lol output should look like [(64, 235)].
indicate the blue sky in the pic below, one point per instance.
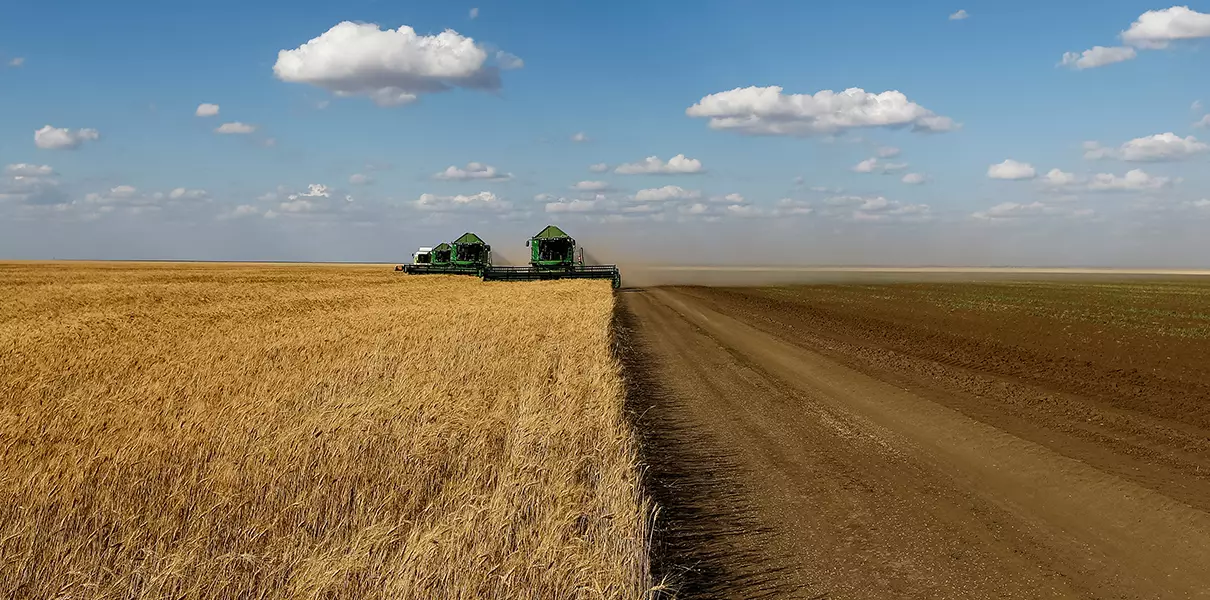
[(625, 74)]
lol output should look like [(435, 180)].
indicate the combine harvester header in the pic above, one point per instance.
[(553, 255)]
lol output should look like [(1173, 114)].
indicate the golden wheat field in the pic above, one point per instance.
[(278, 431)]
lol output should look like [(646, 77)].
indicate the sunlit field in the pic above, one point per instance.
[(251, 431)]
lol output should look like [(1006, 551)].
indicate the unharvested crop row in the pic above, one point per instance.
[(312, 432)]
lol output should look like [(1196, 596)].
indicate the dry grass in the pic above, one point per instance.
[(190, 431)]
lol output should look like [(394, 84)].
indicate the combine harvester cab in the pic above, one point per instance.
[(468, 255), (553, 256)]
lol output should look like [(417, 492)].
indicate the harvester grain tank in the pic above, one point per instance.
[(553, 255)]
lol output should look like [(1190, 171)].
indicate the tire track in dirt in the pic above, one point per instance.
[(863, 489)]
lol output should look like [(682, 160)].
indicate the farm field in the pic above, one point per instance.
[(323, 431), (995, 439), (293, 431)]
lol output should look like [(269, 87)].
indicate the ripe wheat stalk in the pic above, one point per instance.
[(201, 431)]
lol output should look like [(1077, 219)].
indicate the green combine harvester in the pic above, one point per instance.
[(468, 255), (553, 255)]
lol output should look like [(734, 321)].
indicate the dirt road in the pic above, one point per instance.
[(795, 463)]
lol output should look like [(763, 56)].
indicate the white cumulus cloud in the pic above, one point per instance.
[(1008, 211), (744, 211), (1204, 122), (188, 194), (598, 168), (206, 110), (391, 66), (314, 190), (579, 137), (484, 201), (28, 170), (1162, 147), (914, 178), (720, 207), (590, 186), (1135, 180), (1011, 169), (236, 128), (960, 15), (120, 194), (241, 211), (59, 138), (360, 179), (1157, 28), (873, 208), (666, 193), (1058, 178), (572, 206), (134, 200), (888, 152), (1098, 56), (473, 172), (1154, 148), (653, 165), (866, 166), (767, 111), (314, 200), (319, 199), (871, 165), (1011, 210), (1153, 30), (123, 191)]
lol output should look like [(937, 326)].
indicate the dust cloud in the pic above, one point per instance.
[(771, 253)]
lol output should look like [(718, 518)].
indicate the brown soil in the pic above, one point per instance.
[(1030, 440)]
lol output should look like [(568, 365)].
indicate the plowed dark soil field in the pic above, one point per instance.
[(1042, 439)]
